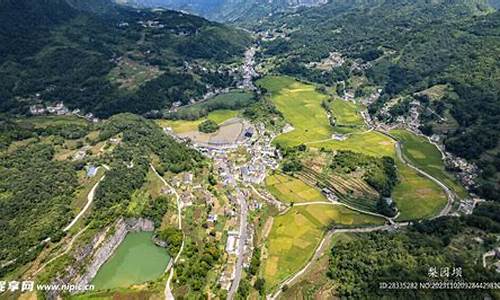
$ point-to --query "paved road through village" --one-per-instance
(241, 246)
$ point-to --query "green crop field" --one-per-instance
(427, 157)
(346, 113)
(296, 234)
(292, 190)
(300, 104)
(416, 196)
(183, 126)
(370, 143)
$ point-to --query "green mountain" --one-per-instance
(103, 58)
(405, 47)
(241, 11)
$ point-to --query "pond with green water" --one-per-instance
(137, 260)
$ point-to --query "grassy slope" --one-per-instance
(86, 186)
(295, 236)
(315, 283)
(232, 100)
(289, 189)
(153, 184)
(45, 121)
(301, 106)
(427, 157)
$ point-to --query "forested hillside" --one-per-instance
(39, 187)
(142, 139)
(362, 265)
(405, 47)
(35, 194)
(107, 59)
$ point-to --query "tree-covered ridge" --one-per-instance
(143, 138)
(39, 187)
(35, 196)
(432, 251)
(405, 47)
(358, 28)
(130, 162)
(10, 131)
(380, 173)
(208, 126)
(55, 52)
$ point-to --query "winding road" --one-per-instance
(168, 290)
(241, 247)
(324, 243)
(323, 246)
(449, 194)
(66, 251)
(90, 199)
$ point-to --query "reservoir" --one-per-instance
(137, 260)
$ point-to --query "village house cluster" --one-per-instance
(59, 109)
(235, 175)
(466, 171)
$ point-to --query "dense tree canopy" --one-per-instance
(130, 161)
(66, 52)
(35, 196)
(360, 265)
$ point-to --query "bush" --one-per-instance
(208, 126)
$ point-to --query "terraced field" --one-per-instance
(315, 283)
(291, 190)
(349, 190)
(427, 157)
(296, 234)
(416, 196)
(300, 104)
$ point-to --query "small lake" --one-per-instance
(135, 261)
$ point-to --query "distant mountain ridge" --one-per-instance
(226, 10)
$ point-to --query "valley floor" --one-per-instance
(289, 216)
